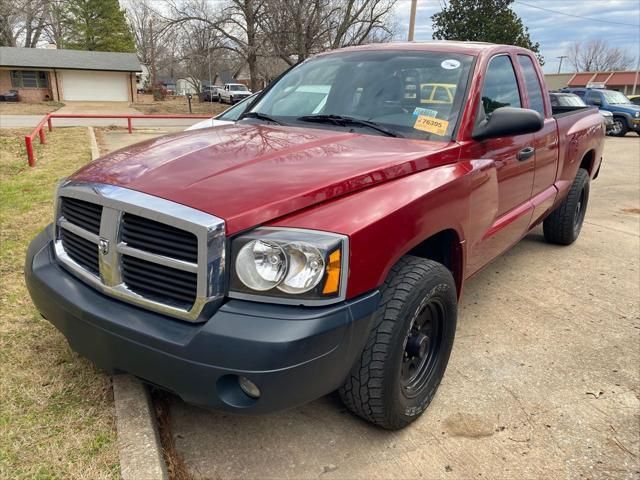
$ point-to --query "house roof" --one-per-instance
(608, 78)
(68, 59)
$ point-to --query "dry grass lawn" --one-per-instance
(177, 105)
(24, 108)
(56, 409)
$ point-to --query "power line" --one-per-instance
(577, 16)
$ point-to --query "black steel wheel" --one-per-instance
(408, 348)
(421, 347)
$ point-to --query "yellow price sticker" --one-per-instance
(431, 125)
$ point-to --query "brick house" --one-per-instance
(66, 75)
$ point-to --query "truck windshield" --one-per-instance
(398, 93)
(615, 98)
(238, 88)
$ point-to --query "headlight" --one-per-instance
(289, 266)
(637, 115)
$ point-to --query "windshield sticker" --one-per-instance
(431, 125)
(424, 111)
(450, 64)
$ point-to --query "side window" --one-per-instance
(533, 85)
(580, 93)
(500, 86)
(593, 98)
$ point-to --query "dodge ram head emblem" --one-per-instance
(103, 246)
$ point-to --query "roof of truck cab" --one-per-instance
(469, 48)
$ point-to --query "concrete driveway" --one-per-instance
(544, 379)
(98, 107)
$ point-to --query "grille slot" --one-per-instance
(158, 238)
(158, 282)
(81, 251)
(82, 214)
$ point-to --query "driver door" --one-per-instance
(515, 166)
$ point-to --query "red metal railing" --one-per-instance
(39, 130)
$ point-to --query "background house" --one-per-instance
(49, 74)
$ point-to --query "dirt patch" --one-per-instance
(24, 108)
(469, 425)
(177, 105)
(56, 411)
(631, 210)
(176, 467)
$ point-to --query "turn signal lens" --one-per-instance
(333, 274)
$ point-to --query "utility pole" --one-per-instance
(561, 57)
(412, 19)
(635, 80)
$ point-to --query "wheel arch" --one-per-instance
(588, 161)
(444, 247)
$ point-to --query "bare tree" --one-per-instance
(56, 30)
(9, 21)
(237, 23)
(296, 29)
(291, 30)
(22, 22)
(597, 56)
(353, 22)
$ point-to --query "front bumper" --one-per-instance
(293, 354)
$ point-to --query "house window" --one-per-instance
(29, 79)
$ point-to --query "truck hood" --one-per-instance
(251, 174)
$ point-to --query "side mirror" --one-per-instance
(506, 121)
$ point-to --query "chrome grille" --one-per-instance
(83, 214)
(83, 252)
(164, 284)
(154, 237)
(142, 249)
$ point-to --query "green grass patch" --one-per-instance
(56, 408)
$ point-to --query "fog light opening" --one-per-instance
(248, 387)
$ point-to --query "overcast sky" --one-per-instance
(555, 32)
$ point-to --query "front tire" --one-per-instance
(619, 127)
(408, 348)
(564, 224)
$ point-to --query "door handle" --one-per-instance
(526, 153)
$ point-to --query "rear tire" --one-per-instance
(564, 224)
(408, 348)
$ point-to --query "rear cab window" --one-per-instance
(532, 83)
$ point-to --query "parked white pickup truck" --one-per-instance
(233, 92)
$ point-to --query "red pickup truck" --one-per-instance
(323, 241)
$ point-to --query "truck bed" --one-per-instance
(560, 111)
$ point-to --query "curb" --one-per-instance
(95, 152)
(139, 447)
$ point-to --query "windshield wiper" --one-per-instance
(343, 121)
(260, 116)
